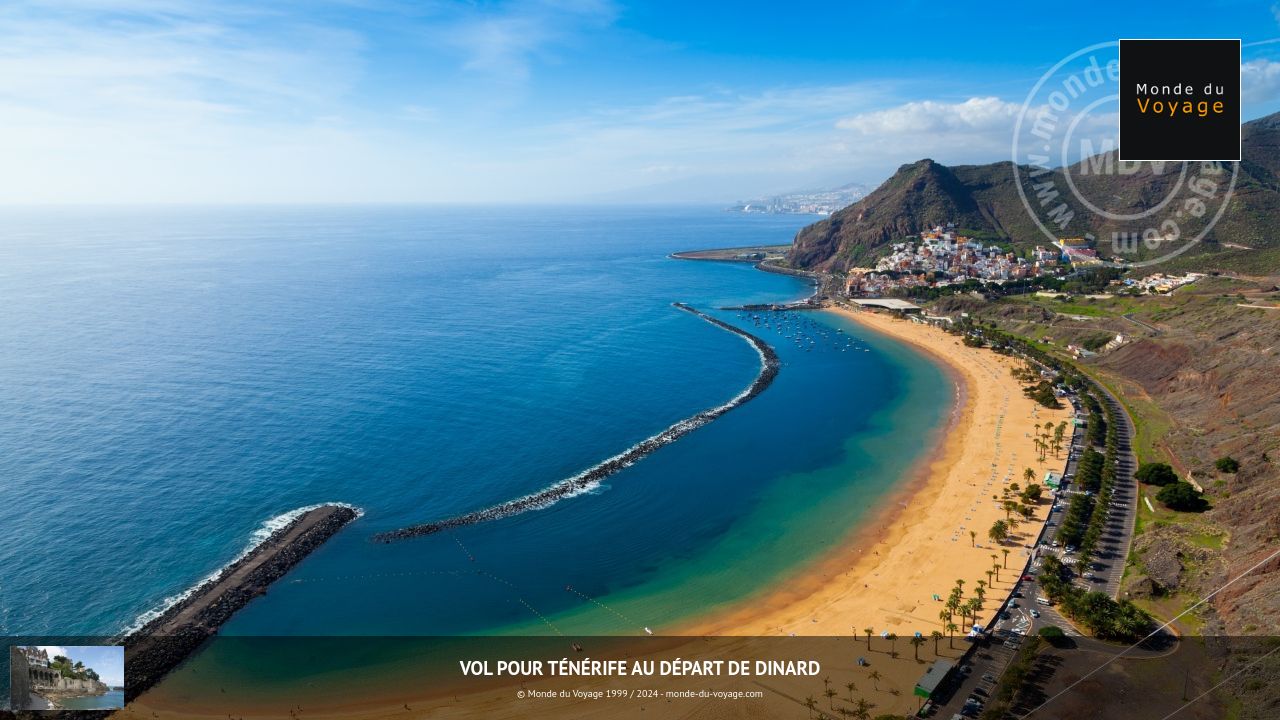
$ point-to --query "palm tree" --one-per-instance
(851, 686)
(863, 710)
(831, 697)
(893, 644)
(868, 631)
(1006, 556)
(951, 630)
(999, 531)
(916, 642)
(989, 574)
(875, 678)
(973, 538)
(810, 703)
(936, 637)
(996, 568)
(1029, 474)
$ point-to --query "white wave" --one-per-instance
(256, 538)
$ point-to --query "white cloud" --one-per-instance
(52, 650)
(1259, 81)
(504, 43)
(977, 114)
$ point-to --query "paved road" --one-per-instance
(1154, 330)
(1117, 537)
(1023, 615)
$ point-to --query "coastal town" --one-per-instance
(43, 678)
(943, 257)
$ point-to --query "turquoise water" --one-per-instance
(106, 701)
(174, 378)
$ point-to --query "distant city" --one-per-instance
(814, 202)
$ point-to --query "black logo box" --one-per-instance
(1180, 65)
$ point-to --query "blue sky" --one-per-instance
(128, 101)
(106, 660)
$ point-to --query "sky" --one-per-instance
(545, 101)
(106, 660)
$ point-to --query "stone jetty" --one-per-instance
(591, 477)
(162, 644)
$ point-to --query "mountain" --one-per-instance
(983, 201)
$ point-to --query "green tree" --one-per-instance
(999, 531)
(1227, 464)
(1181, 496)
(1032, 494)
(916, 642)
(1156, 473)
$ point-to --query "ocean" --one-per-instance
(106, 701)
(176, 380)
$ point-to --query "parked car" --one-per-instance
(989, 677)
(1035, 613)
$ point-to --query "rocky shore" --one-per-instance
(162, 644)
(591, 477)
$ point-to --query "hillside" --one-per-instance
(984, 200)
(1198, 373)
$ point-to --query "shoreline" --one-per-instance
(881, 575)
(808, 604)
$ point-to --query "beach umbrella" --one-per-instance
(884, 634)
(918, 634)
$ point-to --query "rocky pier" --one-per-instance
(154, 650)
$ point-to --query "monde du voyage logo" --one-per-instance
(1126, 153)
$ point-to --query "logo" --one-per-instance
(1097, 209)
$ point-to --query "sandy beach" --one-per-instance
(885, 575)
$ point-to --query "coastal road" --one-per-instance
(1108, 564)
(1117, 536)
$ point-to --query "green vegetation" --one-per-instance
(1031, 495)
(1227, 464)
(1156, 473)
(1182, 496)
(1089, 472)
(1076, 519)
(1054, 635)
(1009, 688)
(68, 669)
(1104, 617)
(1042, 392)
